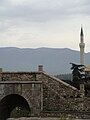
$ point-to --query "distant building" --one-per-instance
(82, 46)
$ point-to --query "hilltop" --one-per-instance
(54, 60)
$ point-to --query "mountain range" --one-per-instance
(54, 60)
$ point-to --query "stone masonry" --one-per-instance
(41, 94)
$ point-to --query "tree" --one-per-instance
(78, 74)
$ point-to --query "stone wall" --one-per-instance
(24, 85)
(72, 114)
(58, 95)
(52, 94)
(18, 76)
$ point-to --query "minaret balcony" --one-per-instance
(82, 45)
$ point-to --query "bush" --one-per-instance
(19, 113)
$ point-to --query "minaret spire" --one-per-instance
(81, 34)
(82, 46)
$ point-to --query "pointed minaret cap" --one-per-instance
(81, 34)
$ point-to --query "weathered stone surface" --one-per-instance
(48, 118)
(42, 92)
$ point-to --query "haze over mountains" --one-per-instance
(54, 60)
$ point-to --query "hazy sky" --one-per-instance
(44, 23)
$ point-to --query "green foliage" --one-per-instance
(65, 118)
(21, 112)
(69, 118)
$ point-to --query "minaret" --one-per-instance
(82, 46)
